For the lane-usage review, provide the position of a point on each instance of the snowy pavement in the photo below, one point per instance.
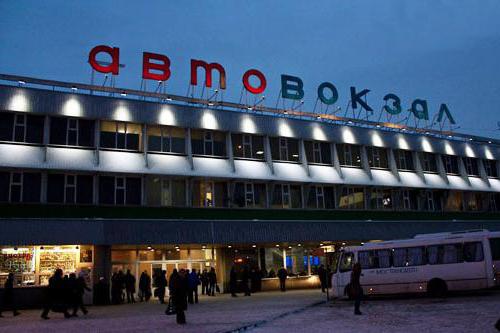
(293, 311)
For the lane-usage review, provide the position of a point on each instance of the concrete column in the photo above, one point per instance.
(229, 151)
(418, 165)
(391, 159)
(441, 168)
(267, 154)
(97, 141)
(482, 171)
(303, 157)
(46, 136)
(189, 151)
(102, 264)
(365, 163)
(145, 144)
(335, 159)
(43, 188)
(463, 170)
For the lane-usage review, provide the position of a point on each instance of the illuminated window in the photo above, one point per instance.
(381, 198)
(207, 193)
(377, 157)
(349, 155)
(351, 198)
(248, 146)
(166, 139)
(120, 135)
(71, 132)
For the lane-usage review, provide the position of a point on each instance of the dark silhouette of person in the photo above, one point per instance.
(245, 276)
(178, 289)
(212, 282)
(233, 282)
(194, 282)
(130, 286)
(282, 275)
(80, 285)
(8, 296)
(204, 282)
(101, 292)
(355, 287)
(322, 277)
(161, 284)
(144, 287)
(56, 300)
(115, 289)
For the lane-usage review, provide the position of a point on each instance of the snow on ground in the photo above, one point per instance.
(288, 312)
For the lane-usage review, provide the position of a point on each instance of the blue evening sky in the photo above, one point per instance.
(445, 51)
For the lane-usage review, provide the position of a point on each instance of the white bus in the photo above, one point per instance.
(431, 263)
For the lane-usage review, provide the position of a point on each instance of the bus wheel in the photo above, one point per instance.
(437, 288)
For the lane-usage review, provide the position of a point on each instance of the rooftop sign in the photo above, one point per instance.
(157, 67)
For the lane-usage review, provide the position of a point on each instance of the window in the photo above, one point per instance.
(375, 259)
(346, 262)
(71, 132)
(320, 197)
(248, 146)
(209, 143)
(207, 193)
(471, 165)
(349, 155)
(381, 199)
(453, 201)
(285, 149)
(404, 159)
(70, 189)
(120, 190)
(17, 127)
(473, 252)
(411, 256)
(495, 248)
(165, 191)
(490, 167)
(20, 186)
(431, 200)
(450, 164)
(428, 161)
(351, 198)
(406, 199)
(166, 139)
(120, 135)
(286, 196)
(377, 157)
(444, 254)
(249, 195)
(318, 152)
(399, 257)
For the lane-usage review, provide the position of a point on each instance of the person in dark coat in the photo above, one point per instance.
(178, 290)
(161, 284)
(356, 291)
(204, 282)
(130, 286)
(245, 276)
(56, 296)
(8, 296)
(322, 277)
(212, 282)
(144, 287)
(80, 286)
(282, 275)
(233, 282)
(115, 289)
(194, 282)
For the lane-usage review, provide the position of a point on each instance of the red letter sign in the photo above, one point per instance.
(258, 90)
(147, 66)
(114, 52)
(208, 73)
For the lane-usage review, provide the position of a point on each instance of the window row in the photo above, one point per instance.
(166, 139)
(162, 191)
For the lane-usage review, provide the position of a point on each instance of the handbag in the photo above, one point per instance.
(170, 308)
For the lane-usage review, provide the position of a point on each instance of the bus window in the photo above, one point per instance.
(399, 257)
(452, 253)
(416, 256)
(473, 252)
(434, 252)
(365, 259)
(384, 258)
(495, 248)
(335, 262)
(346, 262)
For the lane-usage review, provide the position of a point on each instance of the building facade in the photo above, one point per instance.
(105, 181)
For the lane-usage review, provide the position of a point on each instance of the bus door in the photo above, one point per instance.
(343, 275)
(495, 259)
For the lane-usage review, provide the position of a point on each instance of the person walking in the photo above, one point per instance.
(144, 287)
(233, 282)
(177, 287)
(212, 282)
(130, 286)
(282, 275)
(245, 276)
(56, 296)
(194, 282)
(161, 284)
(355, 289)
(8, 296)
(322, 277)
(204, 282)
(80, 285)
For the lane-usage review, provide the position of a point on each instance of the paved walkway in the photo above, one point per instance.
(293, 311)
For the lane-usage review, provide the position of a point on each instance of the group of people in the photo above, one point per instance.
(65, 294)
(245, 280)
(122, 285)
